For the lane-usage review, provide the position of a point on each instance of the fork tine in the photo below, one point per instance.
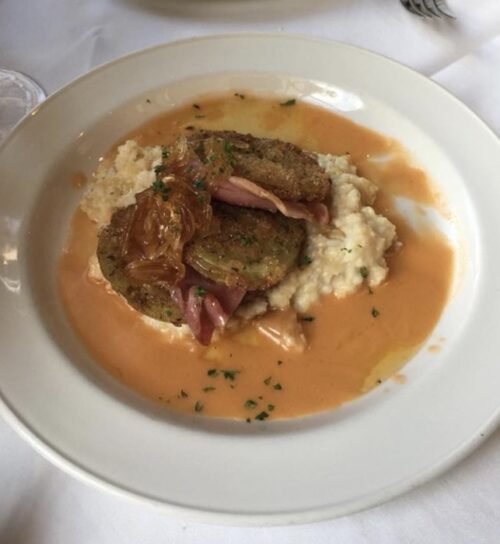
(407, 5)
(432, 7)
(419, 6)
(439, 5)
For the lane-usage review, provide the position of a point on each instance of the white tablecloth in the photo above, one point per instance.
(57, 40)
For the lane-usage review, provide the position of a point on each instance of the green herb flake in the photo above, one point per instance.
(228, 150)
(267, 381)
(230, 374)
(168, 313)
(375, 312)
(246, 240)
(164, 153)
(159, 187)
(305, 260)
(370, 291)
(240, 96)
(280, 363)
(250, 404)
(200, 291)
(199, 117)
(213, 372)
(208, 389)
(262, 416)
(159, 168)
(346, 250)
(248, 420)
(290, 102)
(364, 272)
(200, 199)
(278, 387)
(270, 407)
(148, 100)
(184, 395)
(189, 127)
(198, 407)
(196, 106)
(307, 318)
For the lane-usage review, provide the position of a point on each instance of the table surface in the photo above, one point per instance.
(57, 40)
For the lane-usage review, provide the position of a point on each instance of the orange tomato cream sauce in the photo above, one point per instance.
(353, 343)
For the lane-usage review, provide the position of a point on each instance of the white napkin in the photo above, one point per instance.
(57, 40)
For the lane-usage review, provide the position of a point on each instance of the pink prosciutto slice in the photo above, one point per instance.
(205, 305)
(243, 192)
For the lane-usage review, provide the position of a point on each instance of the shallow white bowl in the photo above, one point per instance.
(279, 472)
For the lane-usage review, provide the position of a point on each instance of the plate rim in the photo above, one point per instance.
(72, 467)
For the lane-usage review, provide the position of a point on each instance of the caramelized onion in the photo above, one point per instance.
(162, 221)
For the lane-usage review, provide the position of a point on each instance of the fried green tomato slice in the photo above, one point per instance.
(152, 300)
(280, 167)
(252, 249)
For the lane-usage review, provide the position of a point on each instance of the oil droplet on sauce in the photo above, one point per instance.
(348, 351)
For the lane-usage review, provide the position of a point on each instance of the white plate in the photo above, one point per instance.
(280, 472)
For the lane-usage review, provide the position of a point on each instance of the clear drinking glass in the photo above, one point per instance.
(19, 94)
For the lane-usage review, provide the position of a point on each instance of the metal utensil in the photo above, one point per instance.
(428, 8)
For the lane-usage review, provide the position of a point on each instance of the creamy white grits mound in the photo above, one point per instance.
(345, 253)
(342, 255)
(115, 185)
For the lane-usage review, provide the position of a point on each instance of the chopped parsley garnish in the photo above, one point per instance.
(346, 250)
(250, 404)
(168, 313)
(270, 407)
(246, 240)
(379, 381)
(159, 187)
(227, 374)
(280, 363)
(305, 260)
(200, 291)
(375, 312)
(196, 106)
(230, 374)
(184, 394)
(198, 407)
(208, 389)
(278, 387)
(198, 184)
(267, 381)
(228, 150)
(200, 199)
(262, 416)
(159, 168)
(307, 318)
(290, 102)
(364, 272)
(240, 96)
(148, 100)
(164, 153)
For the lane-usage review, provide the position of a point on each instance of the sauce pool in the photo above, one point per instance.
(353, 343)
